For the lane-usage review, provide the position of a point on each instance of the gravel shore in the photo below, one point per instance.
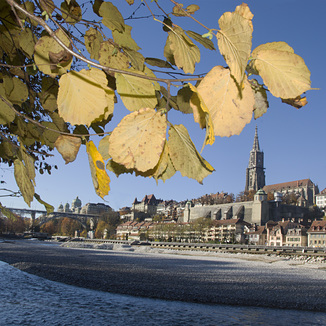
(236, 279)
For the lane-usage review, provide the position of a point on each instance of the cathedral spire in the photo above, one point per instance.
(255, 175)
(255, 146)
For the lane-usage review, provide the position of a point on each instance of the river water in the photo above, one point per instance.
(28, 300)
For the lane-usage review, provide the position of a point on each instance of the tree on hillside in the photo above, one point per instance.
(64, 67)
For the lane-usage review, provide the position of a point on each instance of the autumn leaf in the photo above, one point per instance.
(23, 181)
(7, 114)
(137, 142)
(68, 147)
(165, 169)
(110, 56)
(101, 180)
(184, 155)
(229, 112)
(46, 45)
(202, 115)
(103, 147)
(93, 39)
(234, 42)
(135, 92)
(283, 72)
(71, 11)
(185, 53)
(297, 102)
(49, 208)
(112, 17)
(124, 39)
(261, 102)
(83, 96)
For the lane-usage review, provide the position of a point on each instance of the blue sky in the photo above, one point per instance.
(293, 140)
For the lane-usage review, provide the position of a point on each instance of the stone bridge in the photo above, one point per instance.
(45, 217)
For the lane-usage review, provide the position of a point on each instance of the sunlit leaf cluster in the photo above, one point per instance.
(65, 66)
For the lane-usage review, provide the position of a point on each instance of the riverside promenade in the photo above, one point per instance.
(244, 280)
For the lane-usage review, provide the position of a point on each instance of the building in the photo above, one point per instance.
(304, 190)
(285, 233)
(255, 174)
(317, 234)
(257, 235)
(321, 200)
(227, 231)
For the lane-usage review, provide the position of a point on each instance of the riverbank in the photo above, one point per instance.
(246, 280)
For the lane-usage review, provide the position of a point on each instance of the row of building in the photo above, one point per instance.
(282, 233)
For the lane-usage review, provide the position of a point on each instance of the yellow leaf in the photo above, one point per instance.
(84, 97)
(245, 12)
(135, 92)
(137, 142)
(110, 56)
(184, 155)
(93, 40)
(229, 112)
(234, 42)
(202, 115)
(23, 181)
(283, 72)
(112, 17)
(184, 51)
(103, 147)
(68, 147)
(101, 180)
(165, 169)
(47, 45)
(124, 39)
(297, 102)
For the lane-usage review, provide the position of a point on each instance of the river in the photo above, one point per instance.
(28, 300)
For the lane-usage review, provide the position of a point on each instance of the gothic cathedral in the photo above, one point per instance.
(255, 174)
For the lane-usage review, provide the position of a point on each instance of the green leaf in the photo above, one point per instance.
(185, 53)
(112, 17)
(283, 72)
(135, 92)
(207, 43)
(184, 155)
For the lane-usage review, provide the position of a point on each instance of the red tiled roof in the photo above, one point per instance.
(318, 226)
(289, 185)
(229, 221)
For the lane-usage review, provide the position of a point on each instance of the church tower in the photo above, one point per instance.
(255, 174)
